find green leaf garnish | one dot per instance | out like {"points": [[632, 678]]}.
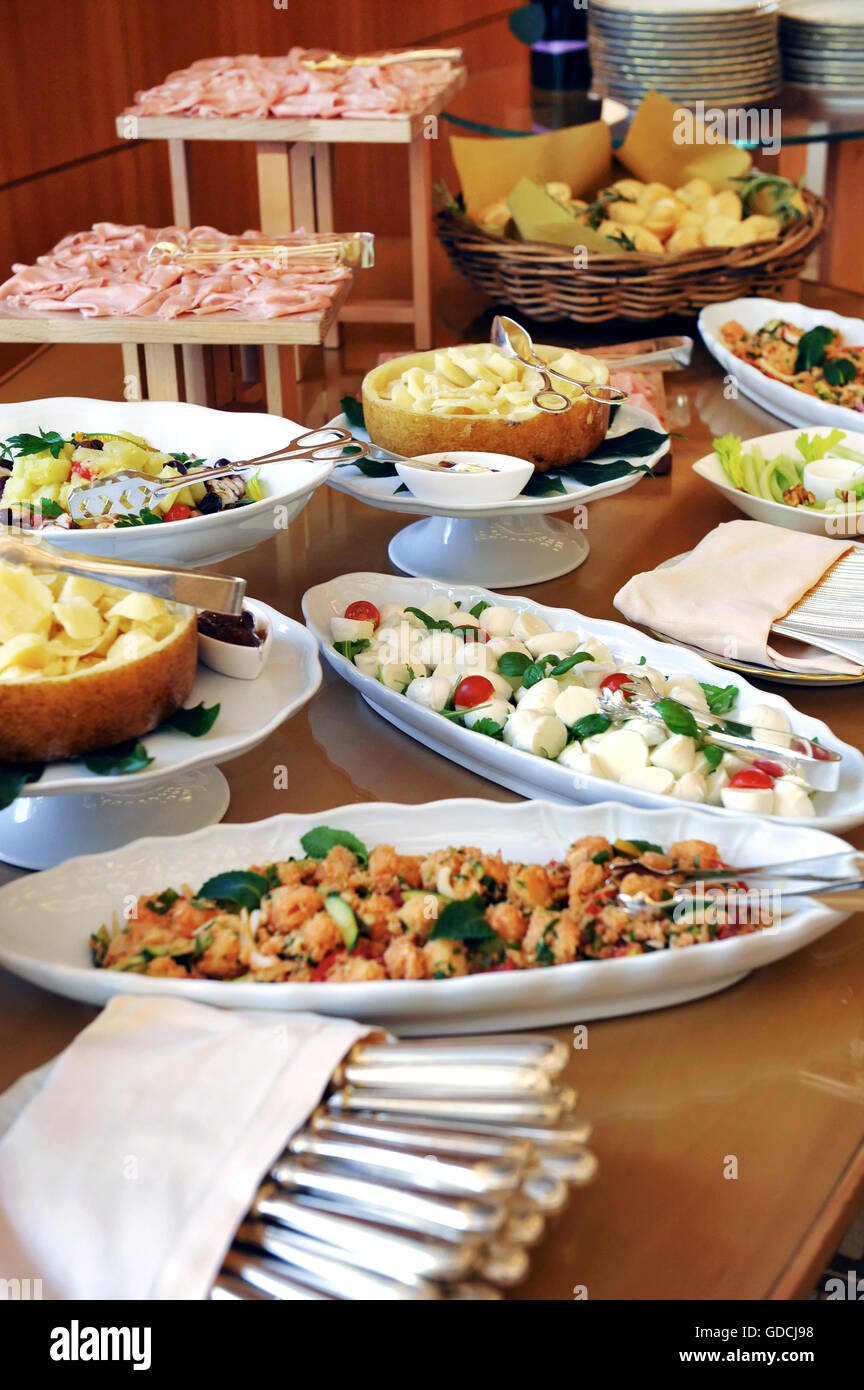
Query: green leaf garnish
{"points": [[721, 698], [462, 919], [163, 904], [811, 348], [513, 664], [839, 371], [638, 443], [569, 662], [46, 441], [350, 649], [479, 608], [490, 727], [118, 761], [677, 718], [589, 725], [353, 412], [319, 841], [196, 721], [235, 889], [14, 777]]}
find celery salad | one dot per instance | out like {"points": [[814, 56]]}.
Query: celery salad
{"points": [[507, 675], [823, 475]]}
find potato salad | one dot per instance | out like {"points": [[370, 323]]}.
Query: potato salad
{"points": [[507, 674]]}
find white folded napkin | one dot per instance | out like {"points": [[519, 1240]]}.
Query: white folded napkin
{"points": [[726, 594], [127, 1174]]}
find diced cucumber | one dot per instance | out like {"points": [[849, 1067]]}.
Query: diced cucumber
{"points": [[343, 915]]}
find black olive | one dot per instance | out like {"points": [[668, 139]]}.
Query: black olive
{"points": [[247, 618], [181, 467], [210, 502], [220, 463]]}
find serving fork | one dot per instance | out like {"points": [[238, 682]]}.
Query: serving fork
{"points": [[129, 492], [842, 894]]}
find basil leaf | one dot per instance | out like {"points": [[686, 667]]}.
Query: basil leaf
{"points": [[402, 488], [123, 758], [677, 718], [513, 664], [480, 608], [353, 412], [462, 919], [588, 476], [370, 468], [839, 371], [433, 624], [729, 726], [590, 724], [713, 754], [350, 649], [811, 348], [196, 721], [721, 698], [235, 889], [537, 671], [490, 727], [636, 443], [569, 662], [13, 779], [543, 485], [319, 841]]}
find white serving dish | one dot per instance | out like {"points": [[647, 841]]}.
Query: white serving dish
{"points": [[73, 811], [45, 921], [526, 773], [446, 487], [231, 659], [505, 544], [775, 396], [839, 526], [194, 429]]}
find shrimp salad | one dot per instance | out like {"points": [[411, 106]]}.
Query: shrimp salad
{"points": [[345, 913], [506, 674]]}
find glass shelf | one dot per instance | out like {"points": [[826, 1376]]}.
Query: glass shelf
{"points": [[808, 116]]}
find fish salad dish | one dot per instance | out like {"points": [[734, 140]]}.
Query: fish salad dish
{"points": [[506, 674], [344, 913], [39, 471], [816, 362]]}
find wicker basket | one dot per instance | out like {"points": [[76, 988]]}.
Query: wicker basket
{"points": [[541, 280]]}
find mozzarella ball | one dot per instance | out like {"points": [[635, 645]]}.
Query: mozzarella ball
{"points": [[460, 619], [717, 782], [767, 717], [619, 751], [500, 645], [677, 754], [541, 696], [687, 691], [581, 762], [400, 615], [351, 630], [502, 687], [653, 734], [648, 673], [592, 673], [575, 702], [474, 656], [497, 620], [791, 799], [533, 732], [649, 779], [549, 643], [753, 801], [440, 606], [429, 691], [528, 625], [731, 763], [436, 647], [497, 710], [368, 662], [599, 651], [446, 671], [691, 787], [392, 610], [397, 675]]}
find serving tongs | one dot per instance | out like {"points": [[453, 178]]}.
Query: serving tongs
{"points": [[334, 62], [819, 766], [355, 249], [216, 592], [514, 341], [129, 492]]}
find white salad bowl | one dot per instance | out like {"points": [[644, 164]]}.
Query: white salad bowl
{"points": [[46, 920], [175, 427], [505, 479], [527, 773], [839, 525], [780, 399]]}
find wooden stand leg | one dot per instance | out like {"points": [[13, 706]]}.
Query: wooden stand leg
{"points": [[275, 212], [420, 201], [162, 383], [280, 382], [324, 221], [178, 162], [194, 375], [133, 373]]}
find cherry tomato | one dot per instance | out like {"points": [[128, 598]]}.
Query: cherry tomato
{"points": [[82, 471], [321, 969], [474, 634], [822, 755], [615, 682], [179, 512], [766, 765], [752, 779], [363, 612], [473, 691]]}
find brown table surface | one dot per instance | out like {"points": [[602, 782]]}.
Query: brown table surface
{"points": [[770, 1072]]}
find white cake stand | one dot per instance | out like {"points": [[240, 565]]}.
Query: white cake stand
{"points": [[71, 811], [505, 546]]}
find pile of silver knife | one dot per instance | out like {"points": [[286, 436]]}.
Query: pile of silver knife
{"points": [[430, 1170]]}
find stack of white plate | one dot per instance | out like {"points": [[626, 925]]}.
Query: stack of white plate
{"points": [[721, 52], [823, 44]]}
